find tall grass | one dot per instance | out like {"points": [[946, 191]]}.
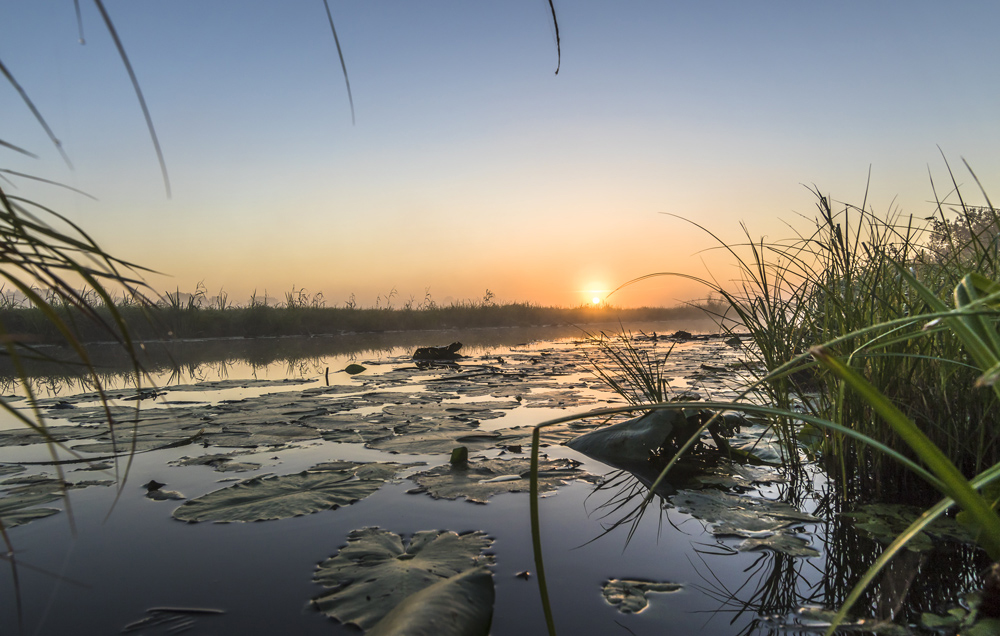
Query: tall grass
{"points": [[881, 334], [842, 282]]}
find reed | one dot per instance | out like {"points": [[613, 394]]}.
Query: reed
{"points": [[195, 316], [881, 335]]}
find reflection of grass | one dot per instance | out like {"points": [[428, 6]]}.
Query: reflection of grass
{"points": [[176, 320]]}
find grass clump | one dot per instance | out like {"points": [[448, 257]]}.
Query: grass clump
{"points": [[848, 283]]}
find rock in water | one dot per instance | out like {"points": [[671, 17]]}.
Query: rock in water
{"points": [[630, 443], [438, 353]]}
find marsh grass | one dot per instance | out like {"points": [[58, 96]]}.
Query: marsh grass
{"points": [[44, 257], [852, 338], [636, 374], [195, 316], [845, 282]]}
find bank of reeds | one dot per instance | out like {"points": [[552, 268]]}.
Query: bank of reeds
{"points": [[843, 283], [168, 320], [882, 333]]}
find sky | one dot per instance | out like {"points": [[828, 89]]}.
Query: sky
{"points": [[472, 165]]}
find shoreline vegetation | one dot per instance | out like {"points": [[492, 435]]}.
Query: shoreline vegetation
{"points": [[873, 352], [169, 319]]}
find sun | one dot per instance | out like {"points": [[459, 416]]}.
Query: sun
{"points": [[595, 301]]}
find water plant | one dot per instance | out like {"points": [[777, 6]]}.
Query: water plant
{"points": [[872, 289]]}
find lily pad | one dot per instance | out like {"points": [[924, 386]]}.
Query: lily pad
{"points": [[629, 596], [884, 522], [762, 520], [375, 572], [220, 462], [27, 436], [477, 481], [561, 399], [461, 605], [454, 410], [280, 497], [16, 510], [431, 437], [789, 544]]}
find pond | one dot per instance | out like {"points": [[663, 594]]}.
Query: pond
{"points": [[139, 546]]}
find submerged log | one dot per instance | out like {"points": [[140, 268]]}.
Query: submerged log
{"points": [[449, 352]]}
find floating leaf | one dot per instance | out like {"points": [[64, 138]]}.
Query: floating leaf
{"points": [[629, 596], [884, 522], [16, 510], [783, 542], [453, 410], [736, 515], [477, 481], [280, 497], [219, 462], [354, 369], [164, 495], [461, 605], [374, 572], [436, 437], [172, 619]]}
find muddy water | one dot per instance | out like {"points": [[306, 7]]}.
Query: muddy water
{"points": [[111, 554]]}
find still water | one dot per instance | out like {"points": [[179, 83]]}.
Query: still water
{"points": [[112, 556]]}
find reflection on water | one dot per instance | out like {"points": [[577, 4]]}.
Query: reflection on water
{"points": [[182, 361], [779, 593], [107, 570]]}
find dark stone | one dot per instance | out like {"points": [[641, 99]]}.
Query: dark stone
{"points": [[682, 335], [438, 353]]}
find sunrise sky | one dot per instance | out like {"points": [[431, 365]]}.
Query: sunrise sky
{"points": [[472, 166]]}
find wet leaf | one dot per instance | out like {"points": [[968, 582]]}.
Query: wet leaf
{"points": [[280, 497], [354, 369], [435, 438], [16, 510], [783, 542], [172, 619], [461, 605], [629, 596], [27, 436], [559, 399], [164, 495], [761, 520], [480, 479], [222, 463], [10, 470], [884, 522], [454, 410], [375, 572]]}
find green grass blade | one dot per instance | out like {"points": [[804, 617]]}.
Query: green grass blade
{"points": [[953, 482]]}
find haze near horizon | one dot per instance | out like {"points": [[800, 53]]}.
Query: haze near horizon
{"points": [[472, 166]]}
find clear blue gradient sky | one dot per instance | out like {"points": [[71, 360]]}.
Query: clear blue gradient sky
{"points": [[472, 165]]}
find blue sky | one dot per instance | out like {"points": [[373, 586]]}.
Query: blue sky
{"points": [[472, 165]]}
